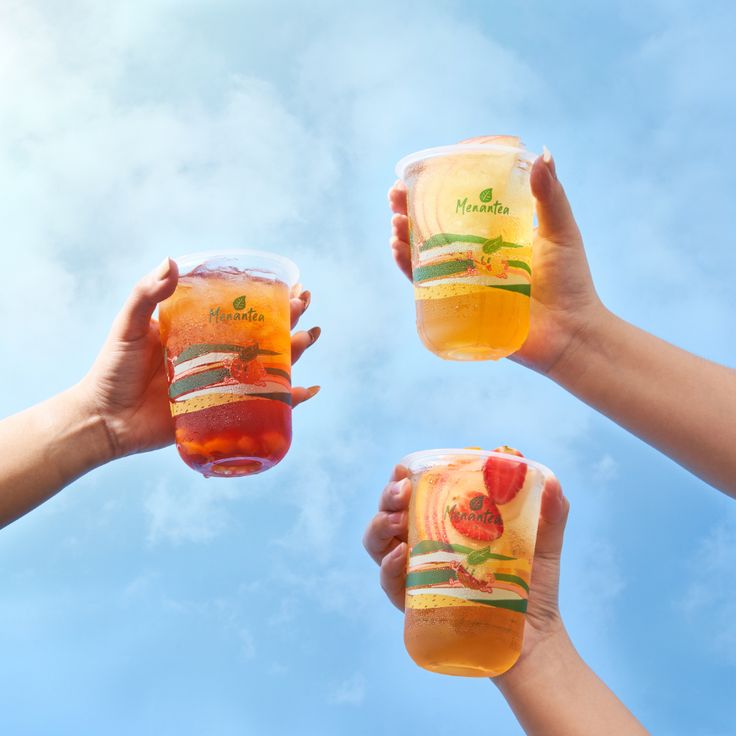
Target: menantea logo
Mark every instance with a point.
(239, 315)
(487, 204)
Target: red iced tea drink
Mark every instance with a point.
(227, 347)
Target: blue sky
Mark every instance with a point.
(146, 599)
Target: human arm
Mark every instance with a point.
(119, 408)
(679, 403)
(550, 689)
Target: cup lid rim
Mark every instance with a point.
(461, 148)
(413, 457)
(188, 260)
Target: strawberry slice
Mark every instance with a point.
(475, 516)
(504, 478)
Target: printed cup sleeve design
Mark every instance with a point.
(224, 372)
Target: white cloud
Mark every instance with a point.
(129, 131)
(429, 77)
(708, 595)
(187, 514)
(351, 691)
(102, 183)
(605, 470)
(278, 669)
(247, 643)
(599, 580)
(335, 590)
(141, 585)
(117, 177)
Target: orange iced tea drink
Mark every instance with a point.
(470, 214)
(472, 528)
(227, 349)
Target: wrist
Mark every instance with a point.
(589, 338)
(82, 440)
(551, 656)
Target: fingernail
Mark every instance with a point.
(314, 333)
(163, 269)
(306, 298)
(399, 487)
(312, 391)
(547, 158)
(399, 551)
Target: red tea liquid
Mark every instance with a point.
(227, 347)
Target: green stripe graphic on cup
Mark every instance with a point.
(279, 372)
(515, 579)
(441, 239)
(198, 380)
(519, 606)
(424, 273)
(245, 353)
(490, 245)
(194, 351)
(431, 545)
(284, 397)
(521, 264)
(525, 289)
(430, 577)
(479, 556)
(444, 575)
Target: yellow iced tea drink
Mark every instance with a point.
(227, 349)
(472, 528)
(470, 214)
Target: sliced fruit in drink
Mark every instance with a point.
(504, 478)
(472, 513)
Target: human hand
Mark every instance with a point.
(564, 303)
(385, 541)
(126, 386)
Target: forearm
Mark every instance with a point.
(554, 693)
(45, 448)
(681, 404)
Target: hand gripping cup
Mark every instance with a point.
(472, 529)
(227, 348)
(470, 212)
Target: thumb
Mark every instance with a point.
(133, 321)
(552, 519)
(554, 215)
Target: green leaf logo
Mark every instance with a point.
(478, 557)
(486, 195)
(492, 245)
(476, 503)
(239, 303)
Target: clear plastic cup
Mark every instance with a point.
(227, 348)
(471, 212)
(472, 529)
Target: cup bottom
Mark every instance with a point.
(234, 467)
(471, 353)
(443, 668)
